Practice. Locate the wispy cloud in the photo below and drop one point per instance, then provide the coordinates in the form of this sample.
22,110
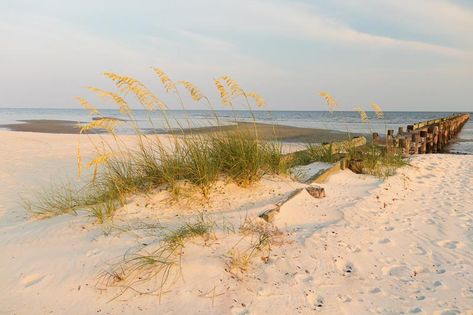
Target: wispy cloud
285,49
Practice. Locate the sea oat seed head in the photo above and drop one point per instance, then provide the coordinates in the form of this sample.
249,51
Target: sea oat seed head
224,97
362,113
378,110
192,89
332,104
235,88
260,102
165,80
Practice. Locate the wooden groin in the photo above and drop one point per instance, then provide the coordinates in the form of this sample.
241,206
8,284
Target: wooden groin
429,136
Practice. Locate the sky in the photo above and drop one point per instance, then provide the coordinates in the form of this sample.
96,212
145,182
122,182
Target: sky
402,54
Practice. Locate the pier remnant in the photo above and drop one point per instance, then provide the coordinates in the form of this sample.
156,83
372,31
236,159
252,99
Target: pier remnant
429,136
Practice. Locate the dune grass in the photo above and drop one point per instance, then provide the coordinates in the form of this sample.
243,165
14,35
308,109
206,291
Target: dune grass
158,261
377,161
199,159
263,236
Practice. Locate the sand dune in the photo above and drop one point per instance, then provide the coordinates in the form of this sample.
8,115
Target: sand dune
403,244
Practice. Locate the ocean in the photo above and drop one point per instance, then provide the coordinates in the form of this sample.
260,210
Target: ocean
337,120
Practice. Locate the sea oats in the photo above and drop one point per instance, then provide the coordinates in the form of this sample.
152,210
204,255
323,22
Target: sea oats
235,88
224,97
260,102
378,111
363,115
192,89
122,104
89,107
79,160
165,80
144,95
103,123
332,104
96,162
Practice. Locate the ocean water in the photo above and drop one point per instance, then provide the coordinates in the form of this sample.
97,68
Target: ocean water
338,120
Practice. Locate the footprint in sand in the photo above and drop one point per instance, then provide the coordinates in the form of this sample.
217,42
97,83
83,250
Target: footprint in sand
417,250
344,298
448,244
31,280
375,290
93,252
384,241
467,293
398,271
440,271
319,303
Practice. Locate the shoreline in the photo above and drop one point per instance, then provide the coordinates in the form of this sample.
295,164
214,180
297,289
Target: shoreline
265,131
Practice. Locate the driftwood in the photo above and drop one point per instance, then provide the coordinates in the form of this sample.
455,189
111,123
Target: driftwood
314,191
336,147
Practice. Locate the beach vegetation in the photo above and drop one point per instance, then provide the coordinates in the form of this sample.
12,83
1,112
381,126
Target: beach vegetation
159,261
263,236
158,161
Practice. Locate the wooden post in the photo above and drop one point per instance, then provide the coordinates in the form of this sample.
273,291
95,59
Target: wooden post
400,131
440,138
430,139
375,137
435,139
389,140
423,145
415,140
408,145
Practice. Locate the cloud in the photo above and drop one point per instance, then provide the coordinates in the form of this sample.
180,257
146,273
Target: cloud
286,50
306,22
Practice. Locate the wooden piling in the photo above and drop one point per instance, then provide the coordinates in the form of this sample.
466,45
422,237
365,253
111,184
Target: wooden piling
429,136
423,142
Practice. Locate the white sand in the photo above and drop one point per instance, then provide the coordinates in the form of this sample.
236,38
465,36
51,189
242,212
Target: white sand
404,244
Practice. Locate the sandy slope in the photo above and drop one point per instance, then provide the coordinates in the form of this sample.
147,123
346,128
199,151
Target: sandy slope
371,246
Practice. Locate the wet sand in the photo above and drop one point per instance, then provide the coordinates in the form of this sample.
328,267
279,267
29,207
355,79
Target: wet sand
265,131
45,126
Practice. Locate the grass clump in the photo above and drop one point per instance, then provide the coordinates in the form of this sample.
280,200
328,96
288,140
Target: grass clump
52,201
263,236
245,159
377,161
149,270
199,159
322,153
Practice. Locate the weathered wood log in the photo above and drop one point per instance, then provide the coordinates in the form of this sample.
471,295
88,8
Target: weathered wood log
316,191
337,147
270,214
356,166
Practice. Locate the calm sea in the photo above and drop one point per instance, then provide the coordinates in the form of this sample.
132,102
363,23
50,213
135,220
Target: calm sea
339,120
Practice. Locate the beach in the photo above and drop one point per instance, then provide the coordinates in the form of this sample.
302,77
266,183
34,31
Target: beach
397,245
